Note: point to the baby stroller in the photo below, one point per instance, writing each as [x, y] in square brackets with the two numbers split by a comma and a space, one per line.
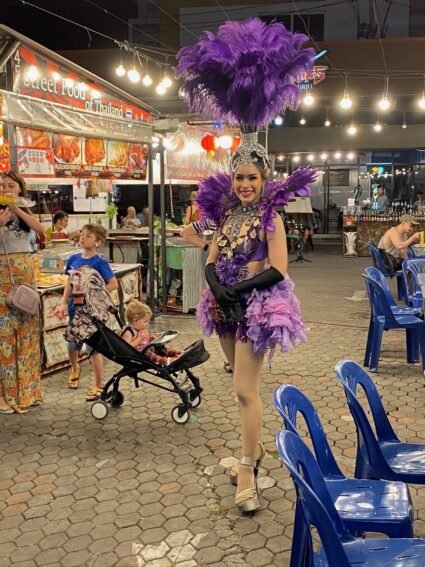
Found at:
[88, 326]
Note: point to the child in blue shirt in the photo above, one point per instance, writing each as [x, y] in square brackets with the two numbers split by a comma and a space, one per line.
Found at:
[92, 236]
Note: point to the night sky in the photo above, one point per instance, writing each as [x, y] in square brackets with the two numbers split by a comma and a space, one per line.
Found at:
[56, 34]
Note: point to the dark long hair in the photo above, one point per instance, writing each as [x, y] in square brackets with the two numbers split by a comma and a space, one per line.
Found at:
[22, 185]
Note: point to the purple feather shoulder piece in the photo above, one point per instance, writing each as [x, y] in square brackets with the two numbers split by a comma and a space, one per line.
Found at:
[245, 74]
[277, 194]
[215, 195]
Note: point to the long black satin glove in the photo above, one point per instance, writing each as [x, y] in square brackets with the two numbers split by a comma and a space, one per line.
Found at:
[224, 296]
[262, 281]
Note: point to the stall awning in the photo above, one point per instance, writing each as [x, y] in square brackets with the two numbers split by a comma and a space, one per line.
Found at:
[44, 115]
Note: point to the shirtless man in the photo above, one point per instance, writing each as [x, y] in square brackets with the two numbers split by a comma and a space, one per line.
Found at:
[396, 241]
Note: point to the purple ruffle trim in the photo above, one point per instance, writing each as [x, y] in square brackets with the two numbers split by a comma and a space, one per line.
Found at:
[272, 319]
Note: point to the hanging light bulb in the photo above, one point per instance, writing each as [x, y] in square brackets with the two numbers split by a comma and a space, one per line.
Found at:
[302, 121]
[346, 102]
[352, 130]
[384, 103]
[166, 81]
[147, 80]
[308, 100]
[120, 70]
[225, 142]
[310, 157]
[327, 122]
[377, 127]
[296, 159]
[350, 156]
[404, 125]
[134, 75]
[160, 89]
[421, 101]
[278, 120]
[323, 156]
[337, 155]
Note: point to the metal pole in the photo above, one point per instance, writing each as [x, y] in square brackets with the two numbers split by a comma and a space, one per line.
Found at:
[151, 263]
[326, 198]
[163, 228]
[10, 129]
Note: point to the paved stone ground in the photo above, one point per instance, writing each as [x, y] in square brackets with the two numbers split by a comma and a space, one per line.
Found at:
[139, 490]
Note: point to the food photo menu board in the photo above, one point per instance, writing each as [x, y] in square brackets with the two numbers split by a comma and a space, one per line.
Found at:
[44, 154]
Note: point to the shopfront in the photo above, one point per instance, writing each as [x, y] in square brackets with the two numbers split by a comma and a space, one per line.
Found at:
[73, 137]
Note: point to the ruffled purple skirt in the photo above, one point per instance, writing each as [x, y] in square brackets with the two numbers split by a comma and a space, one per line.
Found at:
[272, 318]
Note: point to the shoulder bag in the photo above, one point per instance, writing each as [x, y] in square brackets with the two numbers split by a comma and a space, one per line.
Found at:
[22, 298]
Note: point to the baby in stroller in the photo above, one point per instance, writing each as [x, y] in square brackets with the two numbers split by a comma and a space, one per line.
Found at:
[148, 366]
[136, 333]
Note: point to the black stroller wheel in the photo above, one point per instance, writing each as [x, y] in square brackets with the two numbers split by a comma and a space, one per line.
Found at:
[116, 399]
[194, 398]
[180, 414]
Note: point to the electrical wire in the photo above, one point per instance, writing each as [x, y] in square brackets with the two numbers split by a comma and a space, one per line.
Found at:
[173, 18]
[121, 44]
[332, 73]
[312, 39]
[222, 9]
[107, 12]
[379, 36]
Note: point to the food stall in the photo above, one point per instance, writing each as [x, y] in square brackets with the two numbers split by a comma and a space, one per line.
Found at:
[180, 264]
[62, 126]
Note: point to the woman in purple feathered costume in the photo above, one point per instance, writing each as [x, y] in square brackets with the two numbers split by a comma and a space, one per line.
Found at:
[245, 75]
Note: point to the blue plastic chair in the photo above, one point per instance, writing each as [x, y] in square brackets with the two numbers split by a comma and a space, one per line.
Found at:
[411, 269]
[363, 505]
[410, 253]
[349, 495]
[412, 350]
[374, 273]
[380, 455]
[378, 263]
[384, 319]
[338, 547]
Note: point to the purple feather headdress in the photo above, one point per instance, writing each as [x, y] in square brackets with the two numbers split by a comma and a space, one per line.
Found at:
[215, 195]
[245, 74]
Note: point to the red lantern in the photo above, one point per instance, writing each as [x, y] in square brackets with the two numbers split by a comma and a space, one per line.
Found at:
[236, 143]
[209, 142]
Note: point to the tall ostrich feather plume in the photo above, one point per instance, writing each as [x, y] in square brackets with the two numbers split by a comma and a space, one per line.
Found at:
[244, 74]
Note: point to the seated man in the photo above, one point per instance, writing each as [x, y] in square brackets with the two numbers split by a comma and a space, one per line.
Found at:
[60, 222]
[396, 241]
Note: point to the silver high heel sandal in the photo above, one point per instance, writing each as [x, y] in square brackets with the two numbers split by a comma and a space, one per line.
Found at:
[248, 500]
[233, 473]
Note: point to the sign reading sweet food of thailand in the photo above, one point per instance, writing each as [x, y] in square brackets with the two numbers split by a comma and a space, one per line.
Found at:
[41, 78]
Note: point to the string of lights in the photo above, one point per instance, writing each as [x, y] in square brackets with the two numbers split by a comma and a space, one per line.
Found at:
[140, 57]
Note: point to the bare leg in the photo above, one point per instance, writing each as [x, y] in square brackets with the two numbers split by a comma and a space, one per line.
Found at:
[73, 359]
[246, 380]
[228, 346]
[3, 403]
[96, 361]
